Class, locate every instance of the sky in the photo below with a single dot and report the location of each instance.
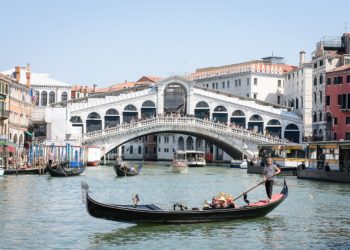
(106, 42)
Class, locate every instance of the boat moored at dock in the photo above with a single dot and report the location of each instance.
(195, 158)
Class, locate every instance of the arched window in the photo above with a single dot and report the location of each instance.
(292, 133)
(51, 97)
(64, 96)
(37, 97)
(140, 150)
(148, 110)
(44, 98)
(202, 110)
(112, 118)
(93, 122)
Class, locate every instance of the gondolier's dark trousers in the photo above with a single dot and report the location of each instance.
(268, 186)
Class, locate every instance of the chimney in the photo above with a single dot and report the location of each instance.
(301, 58)
(18, 73)
(28, 75)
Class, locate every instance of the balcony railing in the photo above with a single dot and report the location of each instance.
(4, 114)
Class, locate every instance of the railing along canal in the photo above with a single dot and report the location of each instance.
(181, 121)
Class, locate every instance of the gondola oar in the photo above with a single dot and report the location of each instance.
(244, 193)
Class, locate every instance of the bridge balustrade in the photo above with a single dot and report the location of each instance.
(184, 121)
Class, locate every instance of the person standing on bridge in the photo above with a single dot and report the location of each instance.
(270, 172)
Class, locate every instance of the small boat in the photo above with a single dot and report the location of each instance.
(66, 169)
(141, 214)
(124, 170)
(179, 163)
(195, 158)
(236, 163)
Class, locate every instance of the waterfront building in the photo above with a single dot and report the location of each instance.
(46, 91)
(259, 79)
(338, 103)
(298, 93)
(330, 53)
(4, 115)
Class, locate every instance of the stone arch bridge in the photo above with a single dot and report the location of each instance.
(232, 140)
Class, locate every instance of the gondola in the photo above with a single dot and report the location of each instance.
(63, 169)
(123, 170)
(143, 214)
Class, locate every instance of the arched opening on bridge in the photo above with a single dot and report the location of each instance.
(238, 118)
(220, 114)
(256, 123)
(329, 124)
(189, 143)
(175, 99)
(148, 110)
(93, 122)
(130, 114)
(181, 143)
(112, 118)
(202, 110)
(77, 122)
(292, 133)
(274, 128)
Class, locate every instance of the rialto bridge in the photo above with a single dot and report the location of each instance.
(176, 105)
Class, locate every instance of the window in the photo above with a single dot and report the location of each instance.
(321, 96)
(296, 103)
(255, 81)
(255, 95)
(321, 63)
(140, 150)
(348, 120)
(321, 79)
(315, 81)
(328, 100)
(347, 136)
(51, 97)
(278, 99)
(216, 84)
(279, 83)
(320, 116)
(213, 85)
(228, 84)
(146, 150)
(314, 117)
(340, 99)
(335, 121)
(235, 83)
(348, 79)
(247, 81)
(334, 136)
(315, 65)
(239, 82)
(315, 99)
(131, 149)
(64, 96)
(223, 85)
(328, 81)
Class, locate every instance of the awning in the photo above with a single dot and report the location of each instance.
(28, 133)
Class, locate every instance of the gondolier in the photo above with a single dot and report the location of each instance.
(270, 172)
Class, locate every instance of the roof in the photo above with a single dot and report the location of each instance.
(251, 66)
(149, 79)
(36, 79)
(340, 68)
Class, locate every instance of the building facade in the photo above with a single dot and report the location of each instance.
(338, 103)
(330, 53)
(298, 93)
(260, 79)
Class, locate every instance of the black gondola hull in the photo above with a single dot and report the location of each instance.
(121, 173)
(63, 171)
(152, 214)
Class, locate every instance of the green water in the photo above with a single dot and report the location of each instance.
(41, 212)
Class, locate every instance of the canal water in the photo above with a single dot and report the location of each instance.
(42, 212)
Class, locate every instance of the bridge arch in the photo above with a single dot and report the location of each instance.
(175, 98)
(148, 110)
(238, 118)
(130, 113)
(256, 123)
(202, 110)
(274, 127)
(220, 114)
(292, 133)
(112, 118)
(93, 122)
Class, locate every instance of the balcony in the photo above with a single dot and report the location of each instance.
(4, 114)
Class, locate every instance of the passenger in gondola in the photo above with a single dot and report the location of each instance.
(230, 203)
(132, 169)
